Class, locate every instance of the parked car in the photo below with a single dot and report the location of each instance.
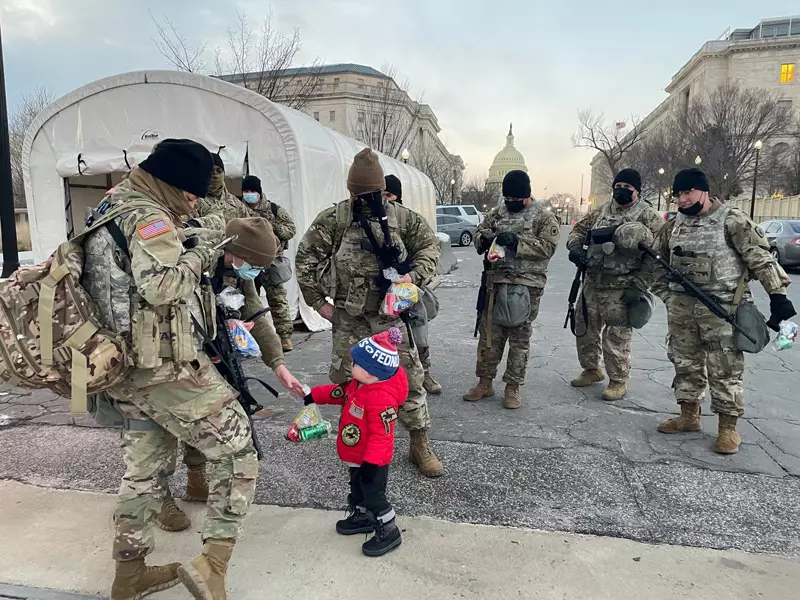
(466, 211)
(460, 230)
(784, 240)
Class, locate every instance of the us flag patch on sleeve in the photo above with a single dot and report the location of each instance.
(153, 229)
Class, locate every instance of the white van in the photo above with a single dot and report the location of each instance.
(466, 211)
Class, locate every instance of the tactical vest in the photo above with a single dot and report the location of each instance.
(514, 269)
(699, 249)
(604, 259)
(354, 269)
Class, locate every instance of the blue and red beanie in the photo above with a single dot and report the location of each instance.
(377, 355)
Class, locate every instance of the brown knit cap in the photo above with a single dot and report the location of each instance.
(256, 243)
(366, 174)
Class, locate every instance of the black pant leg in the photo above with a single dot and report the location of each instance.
(356, 497)
(374, 492)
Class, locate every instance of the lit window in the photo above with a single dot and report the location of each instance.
(333, 116)
(787, 73)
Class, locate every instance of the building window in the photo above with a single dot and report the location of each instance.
(787, 73)
(333, 116)
(335, 81)
(380, 84)
(360, 83)
(316, 116)
(361, 117)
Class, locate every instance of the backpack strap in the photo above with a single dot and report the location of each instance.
(274, 208)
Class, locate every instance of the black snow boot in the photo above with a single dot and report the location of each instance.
(387, 535)
(357, 521)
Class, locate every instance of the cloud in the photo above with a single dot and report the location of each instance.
(29, 19)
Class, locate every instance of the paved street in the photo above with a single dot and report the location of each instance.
(567, 461)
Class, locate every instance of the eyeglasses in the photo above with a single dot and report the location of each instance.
(683, 193)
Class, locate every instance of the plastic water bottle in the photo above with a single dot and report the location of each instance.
(786, 336)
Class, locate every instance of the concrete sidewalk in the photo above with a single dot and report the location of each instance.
(60, 539)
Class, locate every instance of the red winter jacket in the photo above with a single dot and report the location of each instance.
(366, 427)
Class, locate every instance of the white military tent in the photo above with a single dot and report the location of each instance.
(80, 146)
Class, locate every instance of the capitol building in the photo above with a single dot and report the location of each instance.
(508, 159)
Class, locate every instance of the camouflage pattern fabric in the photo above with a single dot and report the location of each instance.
(348, 331)
(224, 203)
(425, 359)
(282, 223)
(608, 335)
(279, 307)
(519, 343)
(195, 405)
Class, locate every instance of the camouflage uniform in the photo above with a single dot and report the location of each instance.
(331, 262)
(608, 334)
(285, 230)
(225, 203)
(174, 383)
(719, 249)
(538, 233)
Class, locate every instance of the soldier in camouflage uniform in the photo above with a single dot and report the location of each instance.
(219, 199)
(394, 193)
(719, 249)
(611, 271)
(285, 230)
(529, 235)
(151, 290)
(332, 261)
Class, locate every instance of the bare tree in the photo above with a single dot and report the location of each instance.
(438, 169)
(386, 118)
(779, 171)
(19, 120)
(259, 59)
(477, 193)
(612, 140)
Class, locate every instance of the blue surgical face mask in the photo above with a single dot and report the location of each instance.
(246, 271)
(250, 197)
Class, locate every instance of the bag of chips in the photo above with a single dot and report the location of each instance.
(496, 252)
(243, 340)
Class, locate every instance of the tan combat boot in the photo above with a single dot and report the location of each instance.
(689, 420)
(431, 385)
(422, 454)
(287, 345)
(616, 390)
(204, 577)
(728, 439)
(134, 579)
(588, 377)
(483, 389)
(512, 399)
(171, 517)
(196, 484)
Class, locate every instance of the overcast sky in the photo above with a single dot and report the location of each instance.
(480, 64)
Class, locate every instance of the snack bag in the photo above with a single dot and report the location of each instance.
(308, 425)
(231, 298)
(399, 298)
(496, 252)
(243, 340)
(786, 336)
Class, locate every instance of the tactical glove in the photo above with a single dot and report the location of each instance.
(483, 243)
(577, 256)
(192, 223)
(780, 309)
(508, 239)
(208, 255)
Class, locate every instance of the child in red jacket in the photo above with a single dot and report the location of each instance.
(366, 436)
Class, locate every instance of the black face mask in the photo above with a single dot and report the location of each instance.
(515, 206)
(623, 196)
(692, 210)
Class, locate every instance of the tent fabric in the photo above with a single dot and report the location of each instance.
(110, 125)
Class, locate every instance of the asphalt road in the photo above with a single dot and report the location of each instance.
(566, 461)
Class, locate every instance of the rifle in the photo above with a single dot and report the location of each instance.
(481, 304)
(691, 288)
(577, 282)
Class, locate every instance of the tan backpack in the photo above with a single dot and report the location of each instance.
(50, 334)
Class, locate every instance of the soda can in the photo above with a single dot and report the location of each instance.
(316, 432)
(293, 435)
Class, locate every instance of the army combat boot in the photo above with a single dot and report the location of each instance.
(689, 420)
(616, 390)
(431, 385)
(511, 399)
(171, 517)
(286, 344)
(422, 454)
(134, 579)
(196, 484)
(357, 521)
(204, 577)
(483, 389)
(588, 377)
(387, 535)
(728, 439)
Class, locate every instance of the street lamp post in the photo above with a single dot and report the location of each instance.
(405, 155)
(452, 191)
(660, 181)
(7, 225)
(757, 147)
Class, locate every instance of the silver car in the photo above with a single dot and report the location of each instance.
(784, 240)
(460, 230)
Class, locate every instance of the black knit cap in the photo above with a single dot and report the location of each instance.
(690, 179)
(393, 186)
(182, 163)
(629, 176)
(251, 183)
(218, 161)
(517, 184)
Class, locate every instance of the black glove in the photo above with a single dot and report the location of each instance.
(191, 242)
(308, 399)
(368, 472)
(483, 243)
(780, 309)
(577, 256)
(192, 223)
(508, 239)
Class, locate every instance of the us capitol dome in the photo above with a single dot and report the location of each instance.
(508, 159)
